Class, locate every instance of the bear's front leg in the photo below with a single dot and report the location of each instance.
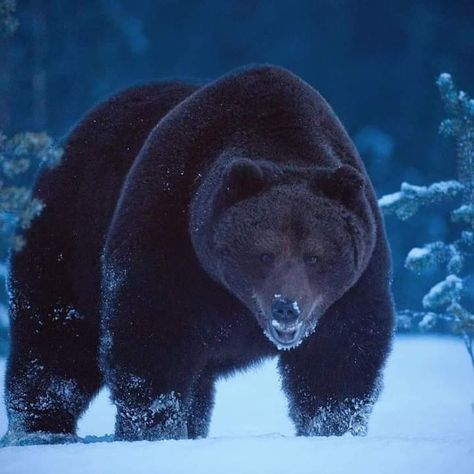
(333, 379)
(144, 413)
(150, 389)
(327, 414)
(148, 348)
(149, 379)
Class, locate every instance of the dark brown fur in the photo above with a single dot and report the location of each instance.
(257, 149)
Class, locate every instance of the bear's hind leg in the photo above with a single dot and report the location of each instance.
(44, 405)
(51, 377)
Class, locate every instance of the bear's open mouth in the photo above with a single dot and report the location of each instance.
(285, 336)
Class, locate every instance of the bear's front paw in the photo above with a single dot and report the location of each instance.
(162, 419)
(336, 419)
(39, 437)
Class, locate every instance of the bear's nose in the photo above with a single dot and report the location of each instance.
(285, 310)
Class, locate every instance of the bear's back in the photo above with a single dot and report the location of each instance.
(64, 243)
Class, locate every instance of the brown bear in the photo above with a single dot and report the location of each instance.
(189, 232)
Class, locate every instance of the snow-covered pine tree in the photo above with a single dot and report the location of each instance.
(446, 301)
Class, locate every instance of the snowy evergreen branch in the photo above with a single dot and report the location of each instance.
(430, 256)
(20, 157)
(445, 301)
(8, 21)
(464, 213)
(444, 293)
(406, 202)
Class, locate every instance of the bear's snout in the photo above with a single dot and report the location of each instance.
(285, 329)
(285, 310)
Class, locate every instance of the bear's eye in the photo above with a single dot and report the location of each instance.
(311, 260)
(267, 258)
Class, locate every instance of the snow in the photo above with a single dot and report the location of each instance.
(444, 77)
(417, 253)
(405, 203)
(449, 188)
(423, 422)
(444, 293)
(428, 322)
(464, 213)
(390, 199)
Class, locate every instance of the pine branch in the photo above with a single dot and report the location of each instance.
(431, 256)
(20, 157)
(460, 125)
(406, 202)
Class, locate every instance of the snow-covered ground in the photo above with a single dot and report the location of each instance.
(423, 423)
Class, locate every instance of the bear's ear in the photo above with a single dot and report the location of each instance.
(344, 184)
(242, 178)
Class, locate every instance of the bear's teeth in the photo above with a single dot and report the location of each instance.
(284, 327)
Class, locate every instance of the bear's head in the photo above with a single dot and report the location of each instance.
(288, 243)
